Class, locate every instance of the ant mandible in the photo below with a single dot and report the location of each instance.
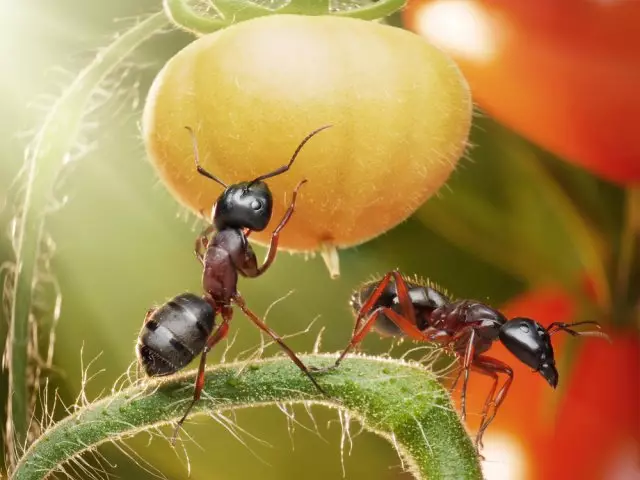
(466, 328)
(176, 332)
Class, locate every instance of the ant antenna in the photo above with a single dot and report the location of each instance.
(556, 327)
(196, 157)
(284, 168)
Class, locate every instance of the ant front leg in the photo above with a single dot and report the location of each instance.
(202, 242)
(275, 236)
(238, 300)
(218, 335)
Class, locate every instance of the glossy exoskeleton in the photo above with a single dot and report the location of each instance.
(399, 306)
(174, 334)
(181, 329)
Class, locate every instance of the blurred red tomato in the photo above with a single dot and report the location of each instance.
(597, 430)
(563, 73)
(593, 429)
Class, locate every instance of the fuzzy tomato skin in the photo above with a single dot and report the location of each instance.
(400, 110)
(564, 74)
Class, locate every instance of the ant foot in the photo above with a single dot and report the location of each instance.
(323, 369)
(479, 445)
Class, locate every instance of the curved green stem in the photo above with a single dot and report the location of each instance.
(233, 11)
(46, 158)
(403, 402)
(183, 16)
(374, 11)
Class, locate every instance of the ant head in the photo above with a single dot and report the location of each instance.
(531, 343)
(244, 205)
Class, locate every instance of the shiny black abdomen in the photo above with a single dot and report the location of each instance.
(174, 334)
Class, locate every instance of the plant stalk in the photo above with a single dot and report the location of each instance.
(404, 403)
(49, 153)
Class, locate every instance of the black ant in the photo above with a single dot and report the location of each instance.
(466, 328)
(176, 332)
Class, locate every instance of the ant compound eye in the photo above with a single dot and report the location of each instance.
(256, 204)
(524, 327)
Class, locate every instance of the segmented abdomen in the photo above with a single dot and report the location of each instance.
(174, 334)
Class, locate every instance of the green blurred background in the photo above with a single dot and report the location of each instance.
(123, 244)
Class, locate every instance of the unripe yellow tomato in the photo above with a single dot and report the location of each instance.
(400, 110)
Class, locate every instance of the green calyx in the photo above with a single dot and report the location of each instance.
(223, 13)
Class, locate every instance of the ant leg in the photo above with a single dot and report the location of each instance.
(406, 325)
(488, 402)
(368, 305)
(403, 296)
(491, 367)
(469, 355)
(405, 304)
(202, 242)
(218, 335)
(357, 337)
(400, 321)
(428, 335)
(238, 300)
(406, 320)
(275, 236)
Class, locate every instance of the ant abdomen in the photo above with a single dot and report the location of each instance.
(174, 334)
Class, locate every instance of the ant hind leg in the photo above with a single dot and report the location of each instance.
(218, 335)
(492, 367)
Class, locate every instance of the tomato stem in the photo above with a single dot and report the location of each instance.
(228, 12)
(183, 16)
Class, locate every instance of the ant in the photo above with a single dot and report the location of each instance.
(466, 328)
(175, 333)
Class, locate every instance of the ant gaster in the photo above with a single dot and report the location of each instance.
(175, 333)
(466, 328)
